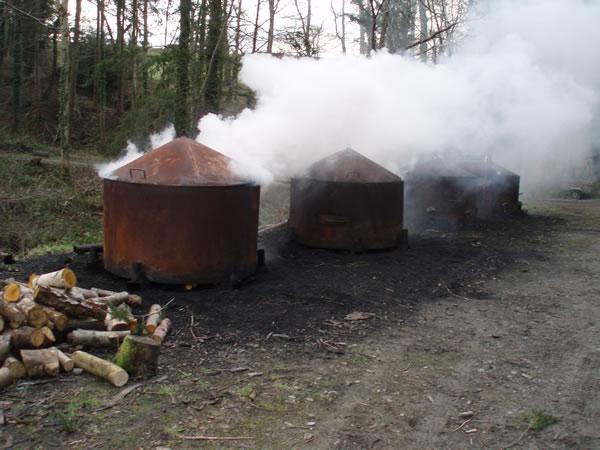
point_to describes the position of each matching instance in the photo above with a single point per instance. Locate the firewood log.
(86, 324)
(40, 363)
(162, 330)
(132, 299)
(153, 318)
(36, 317)
(58, 300)
(101, 368)
(49, 336)
(138, 355)
(63, 279)
(15, 316)
(115, 324)
(66, 363)
(82, 292)
(76, 293)
(27, 337)
(12, 292)
(4, 346)
(16, 367)
(1, 323)
(6, 378)
(59, 319)
(114, 299)
(90, 338)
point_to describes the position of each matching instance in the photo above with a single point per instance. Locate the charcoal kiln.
(347, 201)
(497, 193)
(179, 214)
(439, 194)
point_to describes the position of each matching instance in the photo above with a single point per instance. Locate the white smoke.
(523, 87)
(132, 151)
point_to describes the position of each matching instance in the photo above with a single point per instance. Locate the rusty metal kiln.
(180, 215)
(347, 201)
(497, 193)
(439, 194)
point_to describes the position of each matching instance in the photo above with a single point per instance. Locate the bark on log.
(66, 363)
(76, 293)
(115, 324)
(12, 292)
(16, 367)
(153, 318)
(85, 324)
(1, 323)
(138, 355)
(15, 316)
(59, 319)
(6, 378)
(27, 337)
(4, 346)
(89, 338)
(58, 300)
(40, 363)
(101, 368)
(162, 330)
(63, 279)
(36, 317)
(132, 299)
(48, 335)
(114, 299)
(86, 293)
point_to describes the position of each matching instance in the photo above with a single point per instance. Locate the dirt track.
(500, 320)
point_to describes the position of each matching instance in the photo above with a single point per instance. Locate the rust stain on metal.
(347, 201)
(181, 162)
(190, 220)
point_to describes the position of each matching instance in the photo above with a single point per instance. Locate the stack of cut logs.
(46, 322)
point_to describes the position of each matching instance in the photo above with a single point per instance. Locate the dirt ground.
(501, 320)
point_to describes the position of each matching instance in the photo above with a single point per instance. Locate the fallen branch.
(214, 438)
(119, 397)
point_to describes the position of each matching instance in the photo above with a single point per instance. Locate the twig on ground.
(454, 294)
(512, 444)
(119, 397)
(213, 438)
(461, 425)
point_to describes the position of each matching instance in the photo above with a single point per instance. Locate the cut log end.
(138, 355)
(153, 318)
(12, 292)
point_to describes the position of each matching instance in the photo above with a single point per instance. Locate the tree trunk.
(182, 113)
(74, 61)
(271, 34)
(256, 25)
(101, 368)
(423, 21)
(138, 355)
(64, 84)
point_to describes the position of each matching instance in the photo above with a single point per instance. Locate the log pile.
(48, 322)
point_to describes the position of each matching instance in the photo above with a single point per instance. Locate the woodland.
(93, 75)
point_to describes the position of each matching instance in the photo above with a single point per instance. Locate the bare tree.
(340, 32)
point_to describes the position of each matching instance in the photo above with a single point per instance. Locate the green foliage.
(245, 391)
(538, 420)
(70, 416)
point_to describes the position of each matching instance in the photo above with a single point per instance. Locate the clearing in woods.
(500, 320)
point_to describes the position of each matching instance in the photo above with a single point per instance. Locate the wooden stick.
(132, 299)
(214, 438)
(63, 279)
(114, 299)
(153, 318)
(40, 363)
(162, 330)
(89, 338)
(101, 368)
(86, 324)
(66, 363)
